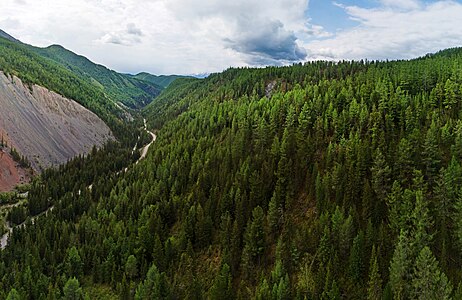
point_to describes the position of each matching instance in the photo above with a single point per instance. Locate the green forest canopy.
(320, 180)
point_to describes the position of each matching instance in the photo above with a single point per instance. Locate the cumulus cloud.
(262, 32)
(127, 37)
(395, 30)
(196, 36)
(133, 30)
(272, 44)
(168, 36)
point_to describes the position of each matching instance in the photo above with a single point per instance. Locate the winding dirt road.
(144, 152)
(4, 239)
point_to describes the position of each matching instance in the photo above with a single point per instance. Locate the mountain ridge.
(120, 87)
(162, 80)
(5, 35)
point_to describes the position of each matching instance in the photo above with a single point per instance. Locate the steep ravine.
(45, 127)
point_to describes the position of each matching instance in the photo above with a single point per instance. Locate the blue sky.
(202, 36)
(331, 16)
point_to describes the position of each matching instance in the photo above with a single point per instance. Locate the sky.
(205, 36)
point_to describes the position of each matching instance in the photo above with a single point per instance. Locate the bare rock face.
(45, 127)
(11, 173)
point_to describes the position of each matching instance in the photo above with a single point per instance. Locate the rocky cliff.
(45, 127)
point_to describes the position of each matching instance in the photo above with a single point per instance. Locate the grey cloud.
(269, 43)
(259, 32)
(128, 37)
(113, 39)
(133, 30)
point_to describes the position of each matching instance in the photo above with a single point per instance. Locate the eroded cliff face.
(45, 127)
(11, 173)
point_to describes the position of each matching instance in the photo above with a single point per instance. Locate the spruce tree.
(374, 289)
(428, 282)
(400, 268)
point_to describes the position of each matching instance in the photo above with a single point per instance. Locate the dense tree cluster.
(322, 180)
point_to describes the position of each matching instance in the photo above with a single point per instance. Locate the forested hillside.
(161, 80)
(18, 60)
(75, 77)
(127, 89)
(315, 181)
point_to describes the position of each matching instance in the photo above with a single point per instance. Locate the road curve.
(144, 152)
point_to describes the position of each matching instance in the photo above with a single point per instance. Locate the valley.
(5, 209)
(317, 180)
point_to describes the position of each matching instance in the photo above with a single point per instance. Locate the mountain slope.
(24, 62)
(124, 88)
(41, 121)
(45, 127)
(296, 181)
(316, 181)
(18, 60)
(5, 35)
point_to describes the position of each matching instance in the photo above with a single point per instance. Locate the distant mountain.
(130, 91)
(5, 35)
(161, 80)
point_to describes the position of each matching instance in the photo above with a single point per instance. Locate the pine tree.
(458, 292)
(254, 237)
(431, 153)
(306, 285)
(404, 163)
(380, 176)
(421, 224)
(428, 282)
(334, 293)
(72, 290)
(74, 263)
(394, 202)
(13, 294)
(263, 291)
(457, 219)
(153, 287)
(274, 215)
(131, 267)
(400, 268)
(222, 286)
(374, 289)
(356, 264)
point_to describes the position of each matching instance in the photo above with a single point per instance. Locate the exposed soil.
(45, 127)
(11, 174)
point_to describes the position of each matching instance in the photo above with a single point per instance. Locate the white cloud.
(260, 31)
(401, 4)
(127, 37)
(166, 36)
(196, 36)
(390, 32)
